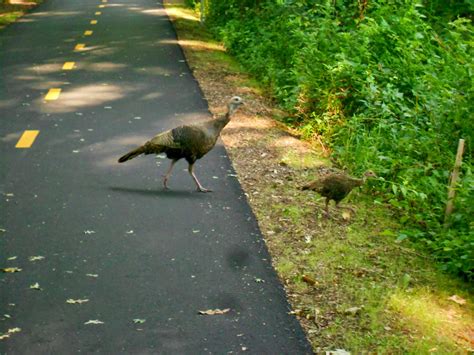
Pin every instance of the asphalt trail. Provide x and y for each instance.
(107, 231)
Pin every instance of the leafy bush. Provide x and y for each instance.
(388, 85)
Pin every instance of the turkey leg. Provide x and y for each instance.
(168, 173)
(198, 184)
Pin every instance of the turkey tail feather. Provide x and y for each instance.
(311, 186)
(134, 153)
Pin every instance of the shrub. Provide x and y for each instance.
(387, 85)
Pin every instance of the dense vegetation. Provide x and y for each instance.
(387, 85)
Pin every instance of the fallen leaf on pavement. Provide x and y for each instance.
(92, 275)
(36, 286)
(89, 232)
(78, 301)
(139, 321)
(211, 312)
(10, 331)
(11, 269)
(94, 321)
(35, 258)
(12, 258)
(457, 299)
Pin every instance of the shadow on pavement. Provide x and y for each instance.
(158, 193)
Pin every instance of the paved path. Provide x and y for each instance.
(107, 231)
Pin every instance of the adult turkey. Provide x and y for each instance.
(336, 186)
(190, 142)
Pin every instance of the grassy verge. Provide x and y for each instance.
(9, 13)
(350, 283)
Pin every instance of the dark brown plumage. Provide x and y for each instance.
(336, 186)
(190, 142)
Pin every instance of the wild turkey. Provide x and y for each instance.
(190, 142)
(336, 186)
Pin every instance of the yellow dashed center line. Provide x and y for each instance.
(98, 13)
(52, 94)
(94, 22)
(79, 46)
(69, 65)
(27, 139)
(88, 33)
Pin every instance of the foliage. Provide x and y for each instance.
(9, 13)
(387, 85)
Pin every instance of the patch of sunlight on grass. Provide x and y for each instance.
(448, 324)
(298, 160)
(195, 44)
(181, 13)
(10, 17)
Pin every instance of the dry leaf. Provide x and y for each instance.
(89, 232)
(211, 312)
(11, 269)
(36, 286)
(94, 321)
(338, 352)
(12, 258)
(457, 299)
(139, 321)
(35, 258)
(78, 301)
(10, 331)
(308, 280)
(346, 216)
(353, 310)
(92, 275)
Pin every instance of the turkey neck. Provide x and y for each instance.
(219, 123)
(357, 182)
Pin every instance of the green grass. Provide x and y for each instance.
(9, 17)
(10, 13)
(403, 297)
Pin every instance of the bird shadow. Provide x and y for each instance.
(157, 193)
